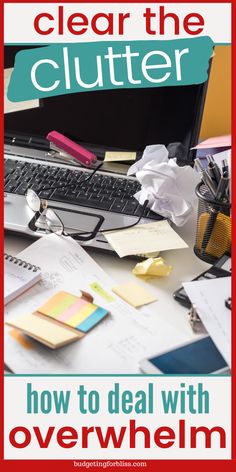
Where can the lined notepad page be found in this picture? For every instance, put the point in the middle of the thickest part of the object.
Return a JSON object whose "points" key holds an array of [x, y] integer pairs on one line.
{"points": [[18, 277]]}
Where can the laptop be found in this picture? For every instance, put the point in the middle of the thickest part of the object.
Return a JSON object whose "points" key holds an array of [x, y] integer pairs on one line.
{"points": [[101, 121]]}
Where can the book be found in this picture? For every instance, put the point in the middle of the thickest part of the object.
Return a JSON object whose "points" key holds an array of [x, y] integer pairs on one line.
{"points": [[19, 276]]}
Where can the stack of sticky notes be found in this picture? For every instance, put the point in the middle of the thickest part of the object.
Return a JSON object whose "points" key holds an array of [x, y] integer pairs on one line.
{"points": [[134, 294], [73, 311], [62, 319]]}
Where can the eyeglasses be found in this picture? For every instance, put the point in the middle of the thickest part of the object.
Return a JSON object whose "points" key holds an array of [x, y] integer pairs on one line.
{"points": [[47, 218]]}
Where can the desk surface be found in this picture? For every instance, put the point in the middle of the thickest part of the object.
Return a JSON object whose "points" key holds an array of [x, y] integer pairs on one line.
{"points": [[185, 264]]}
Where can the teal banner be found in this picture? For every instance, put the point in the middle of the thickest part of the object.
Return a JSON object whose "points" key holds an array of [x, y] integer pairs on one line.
{"points": [[59, 69]]}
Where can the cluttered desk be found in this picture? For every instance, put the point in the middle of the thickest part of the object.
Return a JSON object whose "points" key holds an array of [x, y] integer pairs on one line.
{"points": [[131, 314], [100, 237], [115, 346]]}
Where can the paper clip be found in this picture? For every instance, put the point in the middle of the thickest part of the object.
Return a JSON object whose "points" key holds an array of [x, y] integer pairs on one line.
{"points": [[69, 150]]}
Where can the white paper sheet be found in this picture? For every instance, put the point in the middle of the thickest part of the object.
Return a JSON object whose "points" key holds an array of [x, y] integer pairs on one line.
{"points": [[209, 298], [169, 188], [116, 345]]}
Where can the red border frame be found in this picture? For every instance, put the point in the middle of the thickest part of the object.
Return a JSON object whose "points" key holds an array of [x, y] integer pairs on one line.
{"points": [[152, 465]]}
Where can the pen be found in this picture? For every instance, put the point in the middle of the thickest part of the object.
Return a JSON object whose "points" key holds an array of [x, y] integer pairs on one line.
{"points": [[222, 187], [220, 195], [223, 191], [213, 169], [225, 167], [207, 180], [225, 172]]}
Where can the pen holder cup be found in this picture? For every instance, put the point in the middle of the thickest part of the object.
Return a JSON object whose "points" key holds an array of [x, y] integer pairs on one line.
{"points": [[213, 234]]}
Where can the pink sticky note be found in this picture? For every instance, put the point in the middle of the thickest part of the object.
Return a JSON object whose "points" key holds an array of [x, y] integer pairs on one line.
{"points": [[216, 142]]}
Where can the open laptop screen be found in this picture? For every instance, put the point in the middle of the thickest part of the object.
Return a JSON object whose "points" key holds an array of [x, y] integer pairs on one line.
{"points": [[118, 119]]}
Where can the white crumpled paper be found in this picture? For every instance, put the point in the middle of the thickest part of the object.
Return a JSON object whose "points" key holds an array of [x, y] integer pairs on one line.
{"points": [[169, 188]]}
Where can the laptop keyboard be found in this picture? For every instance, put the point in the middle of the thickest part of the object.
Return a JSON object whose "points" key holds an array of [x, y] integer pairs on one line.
{"points": [[102, 192]]}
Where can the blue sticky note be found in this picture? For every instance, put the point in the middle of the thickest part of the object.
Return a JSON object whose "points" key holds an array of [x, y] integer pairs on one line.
{"points": [[92, 320]]}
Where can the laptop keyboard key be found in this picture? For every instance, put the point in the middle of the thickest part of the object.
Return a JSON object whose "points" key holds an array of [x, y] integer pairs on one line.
{"points": [[45, 193], [154, 216], [21, 189], [36, 187], [130, 207], [118, 205], [100, 204]]}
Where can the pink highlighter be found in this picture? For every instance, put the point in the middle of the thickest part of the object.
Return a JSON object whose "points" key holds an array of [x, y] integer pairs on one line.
{"points": [[60, 143]]}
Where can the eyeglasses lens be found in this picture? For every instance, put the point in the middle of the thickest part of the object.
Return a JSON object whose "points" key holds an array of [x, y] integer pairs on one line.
{"points": [[54, 222], [33, 200]]}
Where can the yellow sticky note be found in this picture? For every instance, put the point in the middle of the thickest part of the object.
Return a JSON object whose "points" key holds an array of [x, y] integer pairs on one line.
{"points": [[152, 267], [144, 239], [134, 294], [96, 287], [57, 304], [118, 156]]}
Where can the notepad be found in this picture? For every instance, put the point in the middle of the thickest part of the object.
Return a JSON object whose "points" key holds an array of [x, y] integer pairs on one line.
{"points": [[18, 276], [134, 294], [62, 319], [145, 238], [73, 311], [44, 330], [119, 156]]}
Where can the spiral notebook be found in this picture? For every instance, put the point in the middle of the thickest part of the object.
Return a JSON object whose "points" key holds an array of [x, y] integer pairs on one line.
{"points": [[19, 276]]}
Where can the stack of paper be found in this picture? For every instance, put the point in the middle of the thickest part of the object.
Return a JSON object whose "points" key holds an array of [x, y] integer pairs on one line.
{"points": [[114, 346], [209, 297]]}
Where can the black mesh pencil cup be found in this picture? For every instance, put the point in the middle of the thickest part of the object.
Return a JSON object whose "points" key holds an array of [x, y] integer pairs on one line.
{"points": [[213, 234]]}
